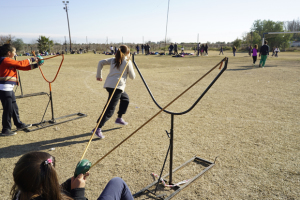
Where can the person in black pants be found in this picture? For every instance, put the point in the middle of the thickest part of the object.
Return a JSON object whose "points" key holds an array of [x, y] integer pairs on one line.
{"points": [[117, 65], [119, 95], [233, 50], [205, 49], [171, 47], [8, 79], [175, 49]]}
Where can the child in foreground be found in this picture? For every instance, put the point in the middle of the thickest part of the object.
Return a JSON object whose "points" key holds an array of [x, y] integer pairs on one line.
{"points": [[8, 79], [35, 178], [117, 65]]}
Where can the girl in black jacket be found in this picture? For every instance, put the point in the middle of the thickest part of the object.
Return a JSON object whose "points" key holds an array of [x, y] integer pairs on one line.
{"points": [[35, 178]]}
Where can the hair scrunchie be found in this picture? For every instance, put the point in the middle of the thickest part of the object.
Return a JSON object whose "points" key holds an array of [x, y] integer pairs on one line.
{"points": [[48, 161]]}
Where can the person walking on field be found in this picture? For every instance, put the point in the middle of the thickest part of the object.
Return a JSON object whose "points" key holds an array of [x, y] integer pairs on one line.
{"points": [[264, 52], [117, 66], [137, 49], [8, 79], [254, 54], [273, 51], [233, 50], [221, 51]]}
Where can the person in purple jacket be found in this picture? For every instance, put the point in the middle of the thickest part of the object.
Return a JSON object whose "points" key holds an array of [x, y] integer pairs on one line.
{"points": [[35, 178], [254, 54]]}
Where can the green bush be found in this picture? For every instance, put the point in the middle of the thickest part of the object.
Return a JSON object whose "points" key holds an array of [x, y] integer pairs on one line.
{"points": [[226, 48]]}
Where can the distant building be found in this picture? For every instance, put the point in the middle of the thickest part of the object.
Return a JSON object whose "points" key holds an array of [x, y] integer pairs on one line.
{"points": [[295, 44]]}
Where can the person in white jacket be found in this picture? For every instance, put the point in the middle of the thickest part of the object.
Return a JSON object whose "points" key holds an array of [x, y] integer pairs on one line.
{"points": [[117, 66], [276, 51]]}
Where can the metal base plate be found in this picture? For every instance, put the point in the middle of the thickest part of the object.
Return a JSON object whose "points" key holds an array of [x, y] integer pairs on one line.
{"points": [[150, 189], [56, 121]]}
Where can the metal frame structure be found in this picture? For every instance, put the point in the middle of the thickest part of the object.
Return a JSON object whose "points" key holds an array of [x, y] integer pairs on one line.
{"points": [[171, 136], [52, 121], [263, 39]]}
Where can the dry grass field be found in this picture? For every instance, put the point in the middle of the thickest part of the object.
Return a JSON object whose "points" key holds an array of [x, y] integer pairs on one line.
{"points": [[249, 119]]}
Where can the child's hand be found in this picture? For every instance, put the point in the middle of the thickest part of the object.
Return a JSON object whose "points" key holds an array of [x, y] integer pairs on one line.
{"points": [[79, 181], [99, 79]]}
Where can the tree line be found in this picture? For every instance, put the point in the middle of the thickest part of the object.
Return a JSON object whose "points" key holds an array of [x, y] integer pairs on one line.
{"points": [[254, 36]]}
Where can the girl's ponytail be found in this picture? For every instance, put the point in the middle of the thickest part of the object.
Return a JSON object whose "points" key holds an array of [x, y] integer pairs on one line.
{"points": [[34, 174], [120, 55]]}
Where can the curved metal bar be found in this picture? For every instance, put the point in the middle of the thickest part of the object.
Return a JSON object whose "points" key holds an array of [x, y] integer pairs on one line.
{"points": [[196, 102]]}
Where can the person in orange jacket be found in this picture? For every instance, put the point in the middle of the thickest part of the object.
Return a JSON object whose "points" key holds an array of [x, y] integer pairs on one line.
{"points": [[8, 79]]}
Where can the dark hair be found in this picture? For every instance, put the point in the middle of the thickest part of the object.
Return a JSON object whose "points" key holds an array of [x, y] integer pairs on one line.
{"points": [[120, 55], [4, 49], [35, 177], [266, 42]]}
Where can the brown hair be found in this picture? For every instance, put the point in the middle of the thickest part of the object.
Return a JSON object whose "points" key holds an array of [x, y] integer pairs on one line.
{"points": [[4, 49], [34, 177], [255, 46], [120, 55]]}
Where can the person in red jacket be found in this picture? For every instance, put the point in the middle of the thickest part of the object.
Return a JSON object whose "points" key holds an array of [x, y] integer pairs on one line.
{"points": [[8, 79]]}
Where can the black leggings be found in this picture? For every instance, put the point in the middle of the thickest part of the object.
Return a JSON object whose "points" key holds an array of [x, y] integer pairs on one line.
{"points": [[10, 110], [254, 59], [124, 102]]}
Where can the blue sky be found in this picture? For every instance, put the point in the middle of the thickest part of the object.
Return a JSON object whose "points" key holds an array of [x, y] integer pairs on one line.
{"points": [[95, 21]]}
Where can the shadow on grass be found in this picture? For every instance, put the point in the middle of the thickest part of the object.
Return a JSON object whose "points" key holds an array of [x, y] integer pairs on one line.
{"points": [[251, 68], [17, 150]]}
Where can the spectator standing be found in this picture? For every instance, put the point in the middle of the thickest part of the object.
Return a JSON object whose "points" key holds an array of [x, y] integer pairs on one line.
{"points": [[273, 51], [221, 51], [146, 49], [202, 49], [264, 52], [206, 50], [250, 50], [148, 46], [171, 47], [175, 49], [112, 50], [143, 47], [254, 54], [198, 49], [233, 50]]}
